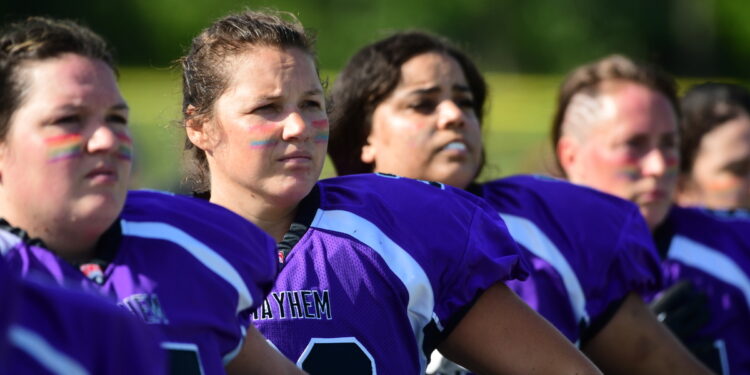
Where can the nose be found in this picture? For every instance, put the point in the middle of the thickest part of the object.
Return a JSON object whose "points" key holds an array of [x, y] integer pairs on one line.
{"points": [[103, 139], [295, 128], [657, 163], [450, 114]]}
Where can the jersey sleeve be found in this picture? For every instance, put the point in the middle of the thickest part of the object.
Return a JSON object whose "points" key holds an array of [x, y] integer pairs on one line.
{"points": [[633, 267], [490, 256]]}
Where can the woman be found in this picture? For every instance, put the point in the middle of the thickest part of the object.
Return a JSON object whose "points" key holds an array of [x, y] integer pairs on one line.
{"points": [[411, 105], [65, 157], [369, 282], [616, 130], [715, 147]]}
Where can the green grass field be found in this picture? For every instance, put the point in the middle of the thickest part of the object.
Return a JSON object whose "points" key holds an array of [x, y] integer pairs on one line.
{"points": [[515, 131]]}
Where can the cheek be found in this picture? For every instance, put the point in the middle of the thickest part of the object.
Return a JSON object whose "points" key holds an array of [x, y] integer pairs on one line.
{"points": [[125, 148], [725, 184], [263, 135], [63, 147], [321, 131]]}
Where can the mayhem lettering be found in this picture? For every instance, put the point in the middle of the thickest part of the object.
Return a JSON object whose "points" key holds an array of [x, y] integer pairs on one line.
{"points": [[295, 304]]}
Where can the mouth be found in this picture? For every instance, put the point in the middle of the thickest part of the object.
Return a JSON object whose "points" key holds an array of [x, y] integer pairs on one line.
{"points": [[102, 174], [296, 156]]}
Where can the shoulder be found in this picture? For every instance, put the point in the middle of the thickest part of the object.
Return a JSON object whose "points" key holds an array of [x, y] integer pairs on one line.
{"points": [[412, 198], [231, 247], [574, 205]]}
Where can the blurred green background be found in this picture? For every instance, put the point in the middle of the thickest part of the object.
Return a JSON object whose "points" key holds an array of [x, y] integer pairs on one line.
{"points": [[524, 46]]}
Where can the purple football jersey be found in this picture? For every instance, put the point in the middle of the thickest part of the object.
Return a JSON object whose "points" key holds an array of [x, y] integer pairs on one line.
{"points": [[588, 250], [378, 270], [49, 330], [195, 269], [712, 250]]}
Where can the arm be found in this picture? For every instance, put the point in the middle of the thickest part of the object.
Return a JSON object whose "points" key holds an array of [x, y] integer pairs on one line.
{"points": [[502, 335], [258, 357], [634, 342]]}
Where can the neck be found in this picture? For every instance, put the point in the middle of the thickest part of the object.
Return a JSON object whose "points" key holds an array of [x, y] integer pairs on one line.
{"points": [[262, 211]]}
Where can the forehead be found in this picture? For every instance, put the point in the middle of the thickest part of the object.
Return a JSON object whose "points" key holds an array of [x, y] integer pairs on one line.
{"points": [[640, 109], [730, 139], [69, 79], [261, 68], [431, 68]]}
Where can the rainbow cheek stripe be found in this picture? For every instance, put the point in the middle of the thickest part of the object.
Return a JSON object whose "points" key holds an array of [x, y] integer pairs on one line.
{"points": [[64, 147], [262, 136], [321, 136], [125, 149]]}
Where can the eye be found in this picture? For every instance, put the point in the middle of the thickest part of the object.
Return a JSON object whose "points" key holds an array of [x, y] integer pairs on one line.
{"points": [[424, 106], [465, 103], [312, 104], [266, 108], [739, 168], [637, 144], [669, 142], [117, 119], [66, 120]]}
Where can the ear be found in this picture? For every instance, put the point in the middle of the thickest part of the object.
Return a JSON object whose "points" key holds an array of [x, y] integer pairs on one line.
{"points": [[567, 152], [197, 129], [369, 152]]}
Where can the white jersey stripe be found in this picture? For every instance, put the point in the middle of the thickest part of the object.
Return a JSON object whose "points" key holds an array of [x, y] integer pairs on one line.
{"points": [[7, 241], [209, 258], [532, 238], [44, 353], [710, 261], [401, 263]]}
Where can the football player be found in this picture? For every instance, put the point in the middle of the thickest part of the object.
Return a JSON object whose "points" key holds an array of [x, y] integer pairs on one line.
{"points": [[376, 270], [616, 129], [411, 104], [193, 269]]}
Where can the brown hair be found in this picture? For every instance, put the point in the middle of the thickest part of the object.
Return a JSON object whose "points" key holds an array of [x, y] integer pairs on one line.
{"points": [[36, 39], [204, 68], [369, 78], [588, 78], [705, 107]]}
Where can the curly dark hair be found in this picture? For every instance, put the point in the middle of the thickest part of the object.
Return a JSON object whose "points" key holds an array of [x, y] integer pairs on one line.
{"points": [[705, 107], [370, 77]]}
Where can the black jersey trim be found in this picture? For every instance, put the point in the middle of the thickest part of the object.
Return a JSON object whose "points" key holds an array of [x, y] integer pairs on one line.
{"points": [[475, 189], [22, 234], [306, 211], [663, 235], [596, 325]]}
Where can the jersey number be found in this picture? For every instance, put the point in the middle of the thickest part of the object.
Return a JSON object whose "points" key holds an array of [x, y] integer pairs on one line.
{"points": [[340, 355]]}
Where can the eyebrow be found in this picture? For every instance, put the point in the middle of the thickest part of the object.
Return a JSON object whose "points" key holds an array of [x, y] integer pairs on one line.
{"points": [[117, 107], [434, 89]]}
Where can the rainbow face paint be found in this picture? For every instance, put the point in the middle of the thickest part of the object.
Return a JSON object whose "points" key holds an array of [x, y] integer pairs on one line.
{"points": [[262, 135], [64, 147], [321, 135], [125, 149]]}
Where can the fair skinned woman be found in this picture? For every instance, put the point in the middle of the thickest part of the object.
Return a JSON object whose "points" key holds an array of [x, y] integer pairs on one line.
{"points": [[65, 158], [412, 105], [616, 130], [369, 281]]}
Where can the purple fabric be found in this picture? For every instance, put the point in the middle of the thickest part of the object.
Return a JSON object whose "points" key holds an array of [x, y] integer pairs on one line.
{"points": [[447, 250], [604, 240], [728, 236], [164, 284], [89, 332]]}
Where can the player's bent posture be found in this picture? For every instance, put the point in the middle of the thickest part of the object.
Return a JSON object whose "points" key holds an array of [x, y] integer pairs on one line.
{"points": [[48, 330], [616, 130], [715, 147], [192, 269], [376, 270], [412, 105]]}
